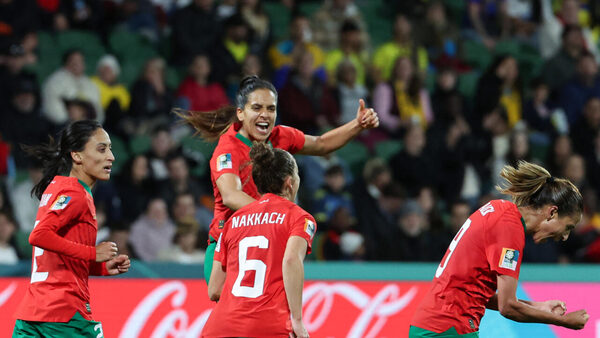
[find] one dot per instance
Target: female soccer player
(481, 267)
(254, 120)
(262, 248)
(57, 302)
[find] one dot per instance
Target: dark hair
(212, 124)
(56, 154)
(530, 185)
(568, 29)
(67, 55)
(270, 167)
(349, 26)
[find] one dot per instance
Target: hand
(106, 251)
(299, 329)
(575, 320)
(367, 117)
(555, 306)
(118, 265)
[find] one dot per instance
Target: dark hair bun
(262, 156)
(248, 80)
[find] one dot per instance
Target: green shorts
(208, 258)
(76, 327)
(417, 332)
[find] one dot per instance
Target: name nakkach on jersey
(257, 219)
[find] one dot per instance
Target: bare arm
(531, 312)
(366, 118)
(217, 279)
(293, 280)
(230, 187)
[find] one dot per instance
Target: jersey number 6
(452, 246)
(258, 266)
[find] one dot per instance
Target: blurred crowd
(462, 88)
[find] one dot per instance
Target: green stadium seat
(476, 54)
(89, 44)
(131, 46)
(22, 244)
(119, 150)
(387, 149)
(355, 154)
(280, 17)
(467, 84)
(140, 144)
(510, 47)
(201, 151)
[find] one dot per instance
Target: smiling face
(555, 227)
(259, 114)
(96, 158)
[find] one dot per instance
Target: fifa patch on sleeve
(61, 202)
(509, 259)
(218, 246)
(224, 162)
(309, 227)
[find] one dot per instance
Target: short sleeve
(305, 227)
(221, 251)
(225, 161)
(504, 248)
(290, 139)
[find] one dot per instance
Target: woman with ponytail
(57, 301)
(481, 267)
(279, 233)
(253, 120)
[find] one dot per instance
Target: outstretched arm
(366, 118)
(531, 312)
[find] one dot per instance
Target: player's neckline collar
(85, 186)
(523, 222)
(247, 141)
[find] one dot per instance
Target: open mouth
(262, 127)
(108, 168)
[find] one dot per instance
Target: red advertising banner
(131, 308)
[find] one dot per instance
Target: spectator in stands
(518, 150)
(584, 132)
(134, 187)
(413, 167)
(120, 235)
(328, 20)
(70, 83)
(581, 88)
(403, 101)
(195, 30)
(283, 54)
(153, 231)
(574, 171)
(348, 92)
(184, 248)
(21, 121)
(415, 242)
(179, 180)
(488, 19)
(561, 66)
(13, 60)
(183, 207)
(438, 34)
(351, 48)
(80, 14)
(499, 86)
(402, 45)
(198, 89)
(229, 53)
(18, 20)
(114, 97)
(339, 226)
(257, 19)
(459, 212)
(226, 8)
(8, 252)
(305, 101)
(334, 194)
(552, 26)
(537, 111)
(161, 147)
(447, 103)
(20, 194)
(151, 100)
(559, 152)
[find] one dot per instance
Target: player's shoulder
(65, 184)
(502, 211)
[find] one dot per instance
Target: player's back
(253, 301)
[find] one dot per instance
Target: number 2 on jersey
(452, 246)
(245, 265)
(35, 275)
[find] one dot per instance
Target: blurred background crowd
(462, 87)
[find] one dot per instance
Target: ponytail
(56, 154)
(209, 125)
(531, 185)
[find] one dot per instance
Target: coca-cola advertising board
(130, 308)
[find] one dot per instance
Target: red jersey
(232, 155)
(490, 243)
(251, 249)
(64, 254)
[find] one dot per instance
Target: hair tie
(550, 179)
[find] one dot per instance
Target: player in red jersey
(254, 120)
(481, 267)
(262, 248)
(57, 301)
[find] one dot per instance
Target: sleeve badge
(61, 202)
(509, 259)
(309, 227)
(224, 162)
